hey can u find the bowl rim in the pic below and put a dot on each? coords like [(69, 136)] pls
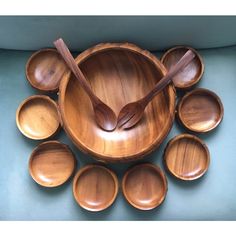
[(192, 137), (87, 168), (28, 99), (190, 85), (208, 93), (61, 98), (33, 155), (27, 66), (158, 170)]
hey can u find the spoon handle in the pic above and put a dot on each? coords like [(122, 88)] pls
[(184, 61), (70, 61)]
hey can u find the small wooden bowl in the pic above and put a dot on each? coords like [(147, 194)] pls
[(191, 74), (51, 164), (186, 157), (200, 110), (45, 69), (37, 117), (144, 186), (95, 187), (119, 73)]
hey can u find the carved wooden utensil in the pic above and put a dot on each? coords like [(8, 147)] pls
[(104, 115), (132, 113)]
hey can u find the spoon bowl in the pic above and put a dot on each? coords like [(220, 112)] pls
[(105, 117)]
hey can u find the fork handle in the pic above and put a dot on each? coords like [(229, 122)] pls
[(184, 61)]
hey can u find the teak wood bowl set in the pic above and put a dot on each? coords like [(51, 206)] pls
[(118, 73)]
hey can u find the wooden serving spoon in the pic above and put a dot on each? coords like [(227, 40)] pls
[(104, 115), (131, 113)]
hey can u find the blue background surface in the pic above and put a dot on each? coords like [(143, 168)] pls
[(212, 197), (149, 32)]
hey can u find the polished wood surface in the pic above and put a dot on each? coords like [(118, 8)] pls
[(144, 186), (191, 74), (51, 164), (103, 114), (95, 187), (37, 117), (186, 157), (200, 110), (45, 69), (118, 74), (132, 113)]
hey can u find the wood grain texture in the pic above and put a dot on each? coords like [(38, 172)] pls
[(118, 74), (104, 116), (37, 117), (144, 186), (191, 74), (186, 157), (51, 164), (45, 69), (200, 110), (132, 113), (95, 187)]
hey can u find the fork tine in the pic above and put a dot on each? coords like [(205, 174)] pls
[(125, 118), (133, 120), (129, 123)]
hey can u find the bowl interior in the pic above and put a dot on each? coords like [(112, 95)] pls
[(190, 74), (102, 188), (117, 76), (144, 187), (51, 164), (37, 117), (187, 157), (200, 111), (45, 70)]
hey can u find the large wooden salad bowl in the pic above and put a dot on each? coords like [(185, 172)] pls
[(118, 73)]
